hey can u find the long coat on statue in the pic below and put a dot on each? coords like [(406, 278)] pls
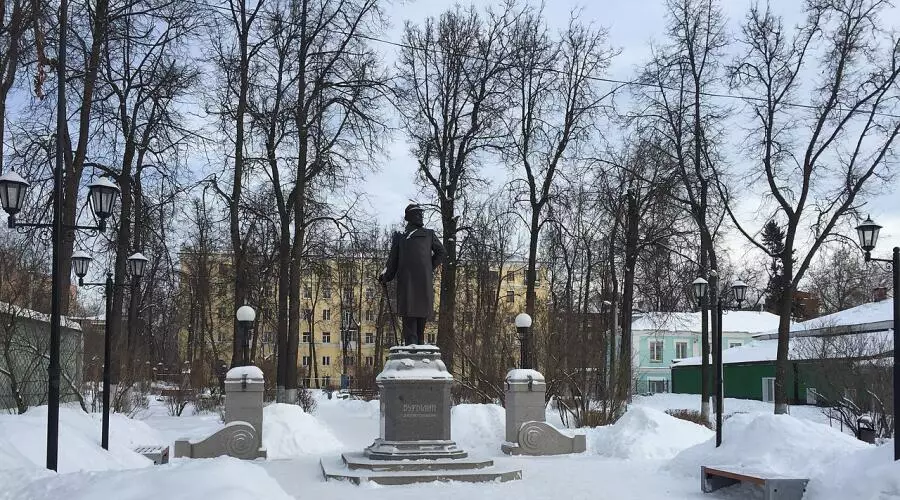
[(415, 254)]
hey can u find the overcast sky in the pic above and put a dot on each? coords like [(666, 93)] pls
[(633, 26)]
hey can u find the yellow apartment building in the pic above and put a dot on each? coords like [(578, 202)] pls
[(345, 323)]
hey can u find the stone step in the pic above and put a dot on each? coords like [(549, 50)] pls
[(338, 470), (359, 461)]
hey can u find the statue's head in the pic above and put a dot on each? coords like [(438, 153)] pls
[(414, 214)]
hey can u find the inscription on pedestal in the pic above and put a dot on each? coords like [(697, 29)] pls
[(413, 410), (417, 411)]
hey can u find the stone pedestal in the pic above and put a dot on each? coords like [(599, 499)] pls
[(414, 442), (242, 435), (527, 433), (415, 407)]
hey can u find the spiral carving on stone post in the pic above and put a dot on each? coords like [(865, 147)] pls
[(241, 442), (534, 435)]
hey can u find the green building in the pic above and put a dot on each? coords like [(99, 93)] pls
[(826, 356)]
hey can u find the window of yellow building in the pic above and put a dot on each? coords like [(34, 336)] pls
[(326, 337)]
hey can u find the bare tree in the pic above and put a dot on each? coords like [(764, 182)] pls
[(485, 340), (236, 42), (16, 16), (556, 105), (452, 91), (841, 280), (814, 179), (681, 116)]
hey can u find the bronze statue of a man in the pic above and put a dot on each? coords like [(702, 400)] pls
[(415, 254)]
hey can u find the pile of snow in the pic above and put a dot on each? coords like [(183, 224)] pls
[(222, 478), (871, 473), (25, 438), (646, 434), (288, 432), (478, 427), (770, 443)]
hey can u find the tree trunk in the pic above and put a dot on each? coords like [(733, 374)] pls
[(531, 274), (284, 280), (631, 254), (446, 336), (784, 331)]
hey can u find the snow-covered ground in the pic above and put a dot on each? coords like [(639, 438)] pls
[(646, 455)]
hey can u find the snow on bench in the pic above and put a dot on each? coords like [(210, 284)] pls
[(159, 454), (774, 486)]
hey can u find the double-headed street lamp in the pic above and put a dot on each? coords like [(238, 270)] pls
[(868, 237), (136, 265), (700, 288), (103, 195)]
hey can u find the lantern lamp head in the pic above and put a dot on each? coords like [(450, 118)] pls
[(868, 234), (103, 194), (739, 288), (699, 287), (12, 192), (80, 263), (137, 263)]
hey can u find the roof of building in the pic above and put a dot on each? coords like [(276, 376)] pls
[(869, 317), (861, 345), (732, 321), (16, 311), (860, 331)]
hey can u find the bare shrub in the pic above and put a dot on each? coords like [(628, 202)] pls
[(306, 400), (690, 415)]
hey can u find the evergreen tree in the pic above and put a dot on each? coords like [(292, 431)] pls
[(773, 239)]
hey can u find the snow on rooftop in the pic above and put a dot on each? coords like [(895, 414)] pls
[(871, 312), (16, 311), (732, 321), (856, 345)]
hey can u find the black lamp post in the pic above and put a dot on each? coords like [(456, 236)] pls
[(868, 237), (245, 316), (700, 287), (136, 265), (103, 195), (523, 329)]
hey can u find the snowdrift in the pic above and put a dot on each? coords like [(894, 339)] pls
[(25, 436), (479, 428), (646, 434), (222, 478), (288, 432), (771, 443), (869, 474)]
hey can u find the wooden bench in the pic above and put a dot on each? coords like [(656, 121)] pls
[(159, 454), (774, 486)]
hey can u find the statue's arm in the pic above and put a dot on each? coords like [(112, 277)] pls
[(390, 269), (437, 251)]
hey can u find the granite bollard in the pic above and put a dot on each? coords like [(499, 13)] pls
[(527, 433), (242, 435)]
